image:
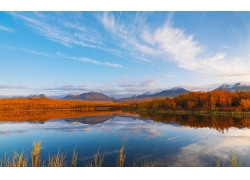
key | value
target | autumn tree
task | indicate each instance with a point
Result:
(245, 104)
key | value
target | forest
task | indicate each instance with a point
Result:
(213, 100)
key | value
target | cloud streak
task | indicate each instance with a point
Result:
(7, 86)
(89, 60)
(60, 55)
(170, 75)
(7, 29)
(7, 47)
(36, 52)
(75, 34)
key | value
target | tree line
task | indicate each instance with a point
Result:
(213, 100)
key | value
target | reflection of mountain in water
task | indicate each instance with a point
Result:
(38, 122)
(90, 119)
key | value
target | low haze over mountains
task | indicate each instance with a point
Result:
(98, 96)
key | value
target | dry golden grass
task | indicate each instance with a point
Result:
(234, 162)
(17, 104)
(97, 160)
(17, 160)
(57, 160)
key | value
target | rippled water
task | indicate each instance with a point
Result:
(159, 139)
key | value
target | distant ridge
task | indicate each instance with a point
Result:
(37, 96)
(240, 86)
(163, 94)
(90, 96)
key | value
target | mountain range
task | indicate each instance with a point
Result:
(162, 94)
(97, 96)
(235, 87)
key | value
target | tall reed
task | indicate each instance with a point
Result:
(98, 158)
(36, 154)
(121, 157)
(74, 158)
(235, 162)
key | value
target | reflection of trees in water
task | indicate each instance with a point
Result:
(220, 123)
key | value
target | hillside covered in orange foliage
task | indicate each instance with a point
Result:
(213, 100)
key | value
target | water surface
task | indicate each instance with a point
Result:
(159, 139)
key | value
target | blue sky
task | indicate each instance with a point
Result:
(121, 53)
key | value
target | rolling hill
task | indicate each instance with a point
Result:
(90, 96)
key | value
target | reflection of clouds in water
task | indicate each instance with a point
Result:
(215, 148)
(106, 153)
(127, 126)
(173, 138)
(113, 127)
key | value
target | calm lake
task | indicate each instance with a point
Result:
(149, 139)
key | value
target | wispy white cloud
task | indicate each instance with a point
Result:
(7, 86)
(126, 36)
(181, 47)
(4, 28)
(83, 59)
(7, 47)
(170, 75)
(137, 84)
(77, 35)
(246, 73)
(171, 43)
(36, 52)
(89, 60)
(70, 88)
(108, 21)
